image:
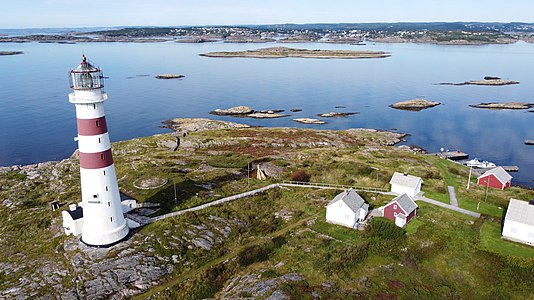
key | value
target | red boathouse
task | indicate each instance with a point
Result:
(496, 178)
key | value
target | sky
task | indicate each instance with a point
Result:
(104, 13)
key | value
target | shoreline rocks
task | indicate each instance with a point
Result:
(414, 105)
(268, 115)
(309, 121)
(504, 105)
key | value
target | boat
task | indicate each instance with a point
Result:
(529, 142)
(484, 164)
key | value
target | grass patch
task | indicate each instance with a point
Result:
(338, 232)
(490, 240)
(412, 227)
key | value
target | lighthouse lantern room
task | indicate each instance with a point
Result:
(103, 220)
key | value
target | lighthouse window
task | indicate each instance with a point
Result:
(111, 219)
(102, 156)
(99, 141)
(107, 188)
(98, 123)
(94, 106)
(95, 196)
(109, 204)
(104, 172)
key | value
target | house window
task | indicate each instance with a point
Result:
(346, 217)
(394, 206)
(95, 196)
(394, 214)
(97, 123)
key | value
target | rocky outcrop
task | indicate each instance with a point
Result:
(415, 105)
(233, 111)
(504, 105)
(169, 76)
(333, 114)
(488, 80)
(10, 52)
(309, 121)
(199, 124)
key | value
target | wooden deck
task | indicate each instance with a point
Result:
(453, 155)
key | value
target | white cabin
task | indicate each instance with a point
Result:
(403, 183)
(347, 209)
(519, 222)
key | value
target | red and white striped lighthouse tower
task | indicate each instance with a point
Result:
(104, 222)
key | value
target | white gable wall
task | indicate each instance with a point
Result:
(339, 213)
(518, 232)
(401, 189)
(71, 226)
(400, 222)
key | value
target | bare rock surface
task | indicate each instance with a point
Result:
(504, 105)
(259, 288)
(415, 104)
(309, 121)
(199, 124)
(237, 110)
(334, 114)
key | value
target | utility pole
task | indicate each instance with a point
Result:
(175, 197)
(376, 169)
(469, 180)
(487, 186)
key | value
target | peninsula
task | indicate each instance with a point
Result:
(282, 52)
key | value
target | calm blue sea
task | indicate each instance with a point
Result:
(38, 123)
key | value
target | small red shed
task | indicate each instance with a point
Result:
(400, 210)
(496, 178)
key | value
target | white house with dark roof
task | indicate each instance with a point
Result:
(400, 210)
(73, 220)
(403, 183)
(519, 222)
(347, 209)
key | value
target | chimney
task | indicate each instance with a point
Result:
(72, 207)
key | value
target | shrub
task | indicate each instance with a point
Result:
(254, 254)
(300, 175)
(453, 171)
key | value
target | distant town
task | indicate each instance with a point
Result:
(458, 33)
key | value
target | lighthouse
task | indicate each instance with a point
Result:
(103, 220)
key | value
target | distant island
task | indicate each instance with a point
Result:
(504, 105)
(282, 52)
(457, 33)
(10, 52)
(488, 80)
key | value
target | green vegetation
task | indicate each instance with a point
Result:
(440, 253)
(490, 240)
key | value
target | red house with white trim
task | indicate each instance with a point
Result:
(496, 178)
(400, 210)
